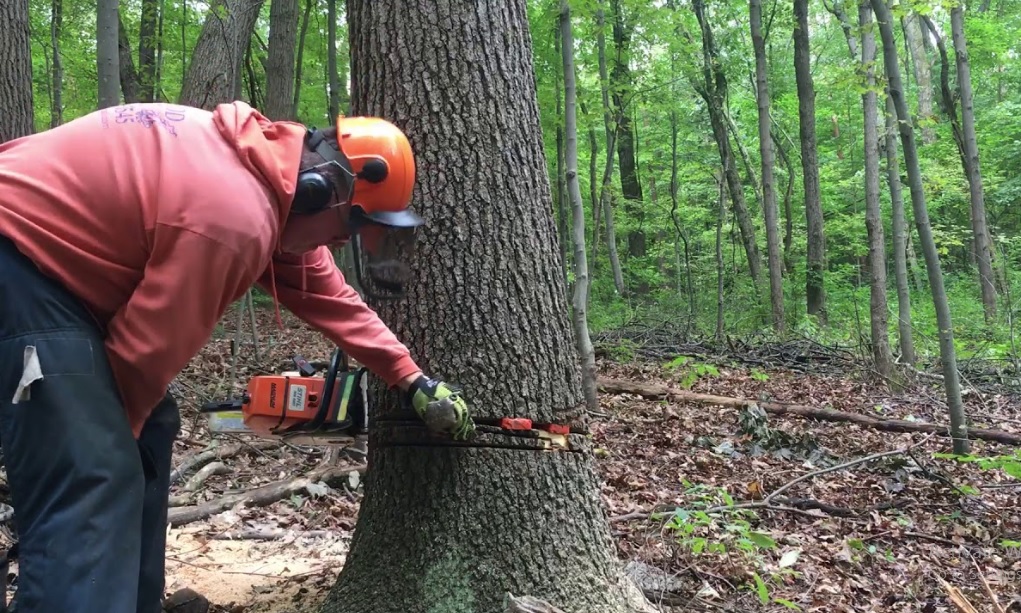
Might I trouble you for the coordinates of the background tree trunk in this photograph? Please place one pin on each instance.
(130, 87)
(914, 40)
(815, 285)
(57, 78)
(873, 214)
(468, 520)
(148, 41)
(948, 354)
(773, 258)
(900, 239)
(214, 73)
(980, 228)
(561, 162)
(612, 129)
(299, 64)
(283, 32)
(108, 53)
(622, 87)
(17, 114)
(581, 277)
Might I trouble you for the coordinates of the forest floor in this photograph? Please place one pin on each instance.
(905, 531)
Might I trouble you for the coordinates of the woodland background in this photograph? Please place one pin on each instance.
(776, 242)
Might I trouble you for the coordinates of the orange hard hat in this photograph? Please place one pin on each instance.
(384, 165)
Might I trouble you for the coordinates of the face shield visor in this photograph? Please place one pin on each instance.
(382, 244)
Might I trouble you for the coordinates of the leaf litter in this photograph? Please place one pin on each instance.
(888, 535)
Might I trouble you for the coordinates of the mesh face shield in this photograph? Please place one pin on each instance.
(382, 247)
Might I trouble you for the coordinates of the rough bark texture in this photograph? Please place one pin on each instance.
(873, 214)
(773, 257)
(973, 168)
(900, 239)
(108, 53)
(948, 354)
(713, 90)
(486, 308)
(815, 288)
(579, 310)
(923, 74)
(17, 114)
(283, 32)
(214, 73)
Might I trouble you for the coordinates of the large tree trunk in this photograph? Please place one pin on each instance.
(815, 286)
(713, 90)
(214, 73)
(973, 169)
(108, 53)
(873, 214)
(900, 238)
(773, 257)
(283, 32)
(579, 312)
(129, 80)
(17, 114)
(57, 78)
(148, 41)
(473, 522)
(914, 41)
(948, 354)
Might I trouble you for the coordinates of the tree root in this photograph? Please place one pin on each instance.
(261, 496)
(657, 392)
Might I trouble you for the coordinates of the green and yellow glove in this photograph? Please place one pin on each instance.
(441, 407)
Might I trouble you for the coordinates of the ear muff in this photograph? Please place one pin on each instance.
(313, 189)
(312, 193)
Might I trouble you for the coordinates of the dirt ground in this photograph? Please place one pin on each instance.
(896, 534)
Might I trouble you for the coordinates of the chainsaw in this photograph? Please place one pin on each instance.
(300, 406)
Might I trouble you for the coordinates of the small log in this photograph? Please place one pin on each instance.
(260, 496)
(654, 391)
(207, 471)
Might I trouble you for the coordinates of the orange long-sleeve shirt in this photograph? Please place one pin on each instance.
(158, 217)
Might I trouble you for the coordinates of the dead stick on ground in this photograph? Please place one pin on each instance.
(207, 471)
(656, 392)
(956, 597)
(985, 585)
(216, 453)
(261, 496)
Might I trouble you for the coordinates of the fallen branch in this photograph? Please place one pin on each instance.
(269, 535)
(957, 597)
(216, 453)
(207, 471)
(659, 392)
(261, 496)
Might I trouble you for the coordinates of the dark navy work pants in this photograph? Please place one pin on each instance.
(90, 501)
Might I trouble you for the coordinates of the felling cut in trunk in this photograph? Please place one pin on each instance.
(449, 526)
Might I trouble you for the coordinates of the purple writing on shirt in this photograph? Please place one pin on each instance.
(148, 116)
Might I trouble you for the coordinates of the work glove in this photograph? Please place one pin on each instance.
(441, 407)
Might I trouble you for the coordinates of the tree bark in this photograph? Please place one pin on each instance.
(979, 226)
(486, 307)
(773, 256)
(214, 73)
(721, 216)
(561, 163)
(108, 53)
(873, 214)
(581, 274)
(788, 215)
(17, 113)
(815, 285)
(331, 58)
(57, 78)
(911, 25)
(713, 91)
(283, 33)
(948, 354)
(148, 41)
(900, 238)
